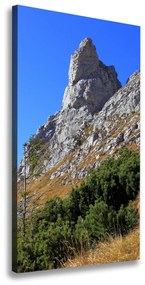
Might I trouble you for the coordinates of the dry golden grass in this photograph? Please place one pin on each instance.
(134, 146)
(43, 189)
(118, 249)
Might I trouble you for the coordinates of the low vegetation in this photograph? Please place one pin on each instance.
(35, 147)
(118, 249)
(100, 208)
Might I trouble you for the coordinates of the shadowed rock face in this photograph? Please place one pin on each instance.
(91, 83)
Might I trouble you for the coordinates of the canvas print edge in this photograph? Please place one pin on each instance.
(66, 103)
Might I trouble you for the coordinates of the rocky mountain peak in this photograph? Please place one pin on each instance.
(97, 118)
(84, 62)
(91, 82)
(86, 42)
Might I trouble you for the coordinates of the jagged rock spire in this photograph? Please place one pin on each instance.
(91, 82)
(84, 62)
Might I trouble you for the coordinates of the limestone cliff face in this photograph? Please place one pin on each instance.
(84, 62)
(91, 83)
(97, 118)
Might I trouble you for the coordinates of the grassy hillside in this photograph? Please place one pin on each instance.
(117, 249)
(44, 188)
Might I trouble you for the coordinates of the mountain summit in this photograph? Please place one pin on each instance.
(91, 83)
(84, 62)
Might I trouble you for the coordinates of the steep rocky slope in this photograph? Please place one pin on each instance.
(97, 118)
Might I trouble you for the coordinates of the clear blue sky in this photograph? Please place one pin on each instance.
(46, 41)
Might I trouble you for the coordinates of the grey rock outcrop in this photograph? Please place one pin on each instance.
(91, 83)
(84, 62)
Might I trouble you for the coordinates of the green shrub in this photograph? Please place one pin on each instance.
(96, 221)
(34, 157)
(97, 209)
(81, 235)
(127, 219)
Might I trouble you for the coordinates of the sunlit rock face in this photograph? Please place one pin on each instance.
(91, 83)
(84, 62)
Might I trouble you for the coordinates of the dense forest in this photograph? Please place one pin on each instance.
(97, 209)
